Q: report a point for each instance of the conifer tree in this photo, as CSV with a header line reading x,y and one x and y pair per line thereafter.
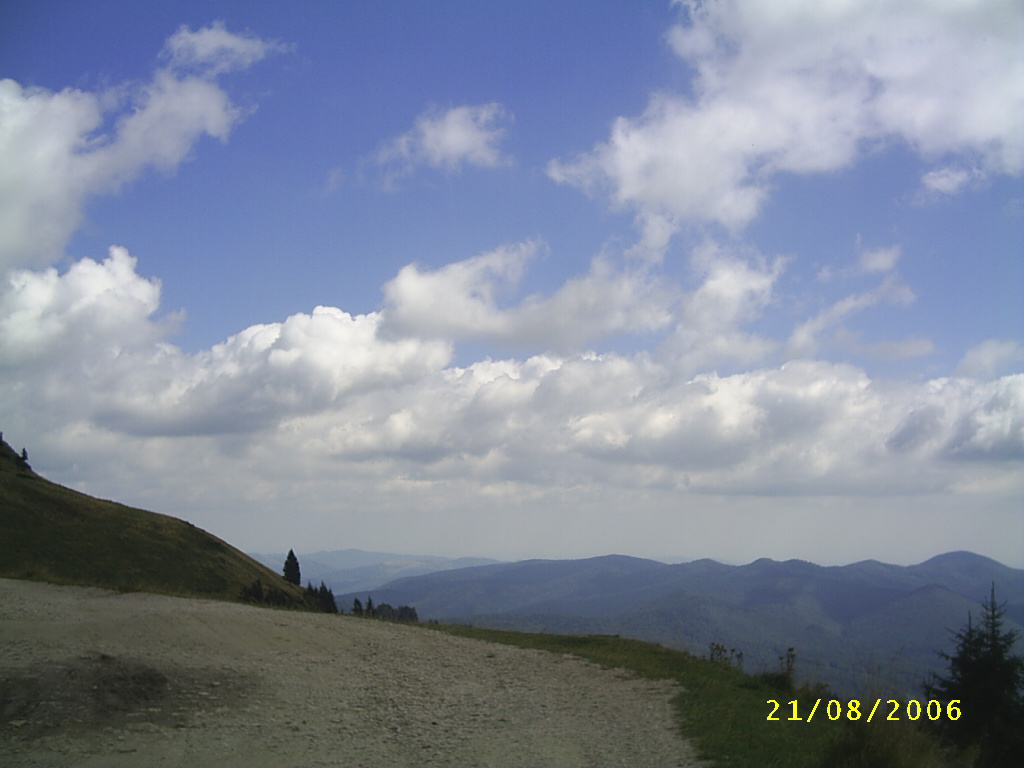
x,y
988,680
325,597
291,569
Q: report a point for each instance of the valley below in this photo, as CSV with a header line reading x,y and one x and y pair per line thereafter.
x,y
92,677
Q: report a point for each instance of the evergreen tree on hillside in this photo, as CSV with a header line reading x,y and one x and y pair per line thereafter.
x,y
322,597
291,569
325,596
988,680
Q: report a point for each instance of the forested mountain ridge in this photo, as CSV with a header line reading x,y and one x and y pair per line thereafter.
x,y
868,623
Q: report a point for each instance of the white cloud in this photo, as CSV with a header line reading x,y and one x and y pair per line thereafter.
x,y
672,164
958,419
464,135
950,180
804,87
89,350
869,261
991,357
213,50
458,299
93,310
55,156
96,353
329,418
461,301
733,289
880,259
476,299
804,340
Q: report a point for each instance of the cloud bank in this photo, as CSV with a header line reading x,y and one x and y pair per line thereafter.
x,y
704,407
88,348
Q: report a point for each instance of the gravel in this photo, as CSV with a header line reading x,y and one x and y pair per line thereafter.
x,y
90,677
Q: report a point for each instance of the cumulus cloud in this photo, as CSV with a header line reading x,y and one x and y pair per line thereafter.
x,y
464,135
90,351
950,180
991,357
589,421
476,299
89,348
56,154
804,340
959,420
461,301
214,50
458,299
94,303
711,328
329,413
880,259
97,352
806,87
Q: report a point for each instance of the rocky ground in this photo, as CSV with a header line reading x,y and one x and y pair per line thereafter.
x,y
96,678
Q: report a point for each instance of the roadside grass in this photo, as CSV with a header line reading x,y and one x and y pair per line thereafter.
x,y
724,712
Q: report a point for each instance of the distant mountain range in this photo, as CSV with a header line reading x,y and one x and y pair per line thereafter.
x,y
354,570
856,627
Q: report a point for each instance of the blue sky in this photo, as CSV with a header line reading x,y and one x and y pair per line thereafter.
x,y
523,279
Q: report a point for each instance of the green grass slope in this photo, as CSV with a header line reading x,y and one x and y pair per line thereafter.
x,y
52,533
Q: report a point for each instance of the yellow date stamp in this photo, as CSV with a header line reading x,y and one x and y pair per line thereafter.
x,y
852,709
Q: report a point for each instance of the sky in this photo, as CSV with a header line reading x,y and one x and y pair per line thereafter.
x,y
534,279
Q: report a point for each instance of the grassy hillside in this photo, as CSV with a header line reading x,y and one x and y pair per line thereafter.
x,y
52,533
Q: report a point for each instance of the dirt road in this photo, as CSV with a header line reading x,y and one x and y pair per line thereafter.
x,y
96,678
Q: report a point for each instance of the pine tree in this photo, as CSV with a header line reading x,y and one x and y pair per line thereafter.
x,y
988,680
291,569
325,597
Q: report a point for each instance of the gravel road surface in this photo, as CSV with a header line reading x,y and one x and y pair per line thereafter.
x,y
90,677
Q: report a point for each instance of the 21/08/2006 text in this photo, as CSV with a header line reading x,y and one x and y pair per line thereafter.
x,y
933,710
